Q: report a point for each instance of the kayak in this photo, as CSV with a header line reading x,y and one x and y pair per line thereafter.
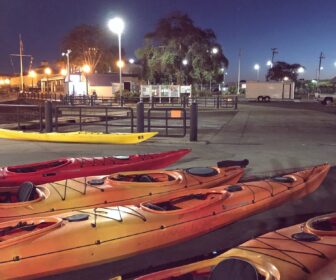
x,y
36,247
65,168
117,189
301,252
78,137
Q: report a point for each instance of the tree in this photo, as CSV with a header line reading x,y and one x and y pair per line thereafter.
x,y
176,39
282,69
91,45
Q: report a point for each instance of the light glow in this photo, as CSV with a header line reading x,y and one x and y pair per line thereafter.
x,y
256,67
47,71
120,63
116,25
86,68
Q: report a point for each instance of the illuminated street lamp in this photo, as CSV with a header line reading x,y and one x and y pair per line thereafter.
x,y
214,50
47,71
300,70
185,62
269,63
117,25
86,69
131,60
32,74
67,54
257,68
285,79
7,81
63,72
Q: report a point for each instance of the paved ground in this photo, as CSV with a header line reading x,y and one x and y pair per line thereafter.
x,y
272,136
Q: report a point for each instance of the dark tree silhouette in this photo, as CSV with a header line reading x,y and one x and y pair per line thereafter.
x,y
282,69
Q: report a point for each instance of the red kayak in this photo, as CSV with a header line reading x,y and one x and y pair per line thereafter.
x,y
66,168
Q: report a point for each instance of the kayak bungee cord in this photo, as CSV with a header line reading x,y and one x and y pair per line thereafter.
x,y
286,252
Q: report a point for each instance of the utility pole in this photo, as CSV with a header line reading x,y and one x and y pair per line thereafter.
x,y
274,52
21,55
320,65
238,82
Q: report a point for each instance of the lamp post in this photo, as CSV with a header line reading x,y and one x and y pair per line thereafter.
x,y
67,54
47,71
32,74
87,69
117,25
257,68
184,63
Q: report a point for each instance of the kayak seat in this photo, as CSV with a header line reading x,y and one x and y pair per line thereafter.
x,y
143,179
26,191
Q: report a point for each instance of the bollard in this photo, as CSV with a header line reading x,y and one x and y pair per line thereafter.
x,y
48,116
217,103
140,117
193,122
236,102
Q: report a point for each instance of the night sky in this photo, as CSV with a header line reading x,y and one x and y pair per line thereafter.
x,y
300,29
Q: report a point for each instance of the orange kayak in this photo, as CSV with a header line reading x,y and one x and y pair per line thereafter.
x,y
34,247
302,252
118,189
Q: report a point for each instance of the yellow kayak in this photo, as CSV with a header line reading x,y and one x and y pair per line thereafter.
x,y
78,137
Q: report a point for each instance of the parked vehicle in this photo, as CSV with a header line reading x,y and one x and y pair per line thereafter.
x,y
325,98
267,91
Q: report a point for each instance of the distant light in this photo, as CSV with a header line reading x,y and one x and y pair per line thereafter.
x,y
285,79
321,68
131,60
2,82
300,70
222,69
314,81
214,50
120,63
116,25
63,72
47,71
335,63
32,74
86,68
7,81
184,61
269,63
256,67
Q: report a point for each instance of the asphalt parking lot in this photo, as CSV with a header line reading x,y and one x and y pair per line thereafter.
x,y
272,136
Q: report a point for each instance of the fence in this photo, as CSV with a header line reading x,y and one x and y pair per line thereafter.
x,y
15,116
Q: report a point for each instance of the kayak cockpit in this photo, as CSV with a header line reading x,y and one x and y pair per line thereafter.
x,y
322,225
31,168
16,231
27,193
185,203
143,177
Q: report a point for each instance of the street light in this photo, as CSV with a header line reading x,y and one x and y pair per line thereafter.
x,y
131,60
257,68
67,54
269,63
300,70
87,69
214,50
63,72
117,25
47,71
32,74
185,62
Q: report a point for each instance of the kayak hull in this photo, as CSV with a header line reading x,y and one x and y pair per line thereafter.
x,y
66,168
113,233
121,188
78,137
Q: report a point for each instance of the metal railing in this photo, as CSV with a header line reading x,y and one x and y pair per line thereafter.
x,y
163,122
16,116
102,116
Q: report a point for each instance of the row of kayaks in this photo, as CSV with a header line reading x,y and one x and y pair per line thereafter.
x,y
78,137
76,223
